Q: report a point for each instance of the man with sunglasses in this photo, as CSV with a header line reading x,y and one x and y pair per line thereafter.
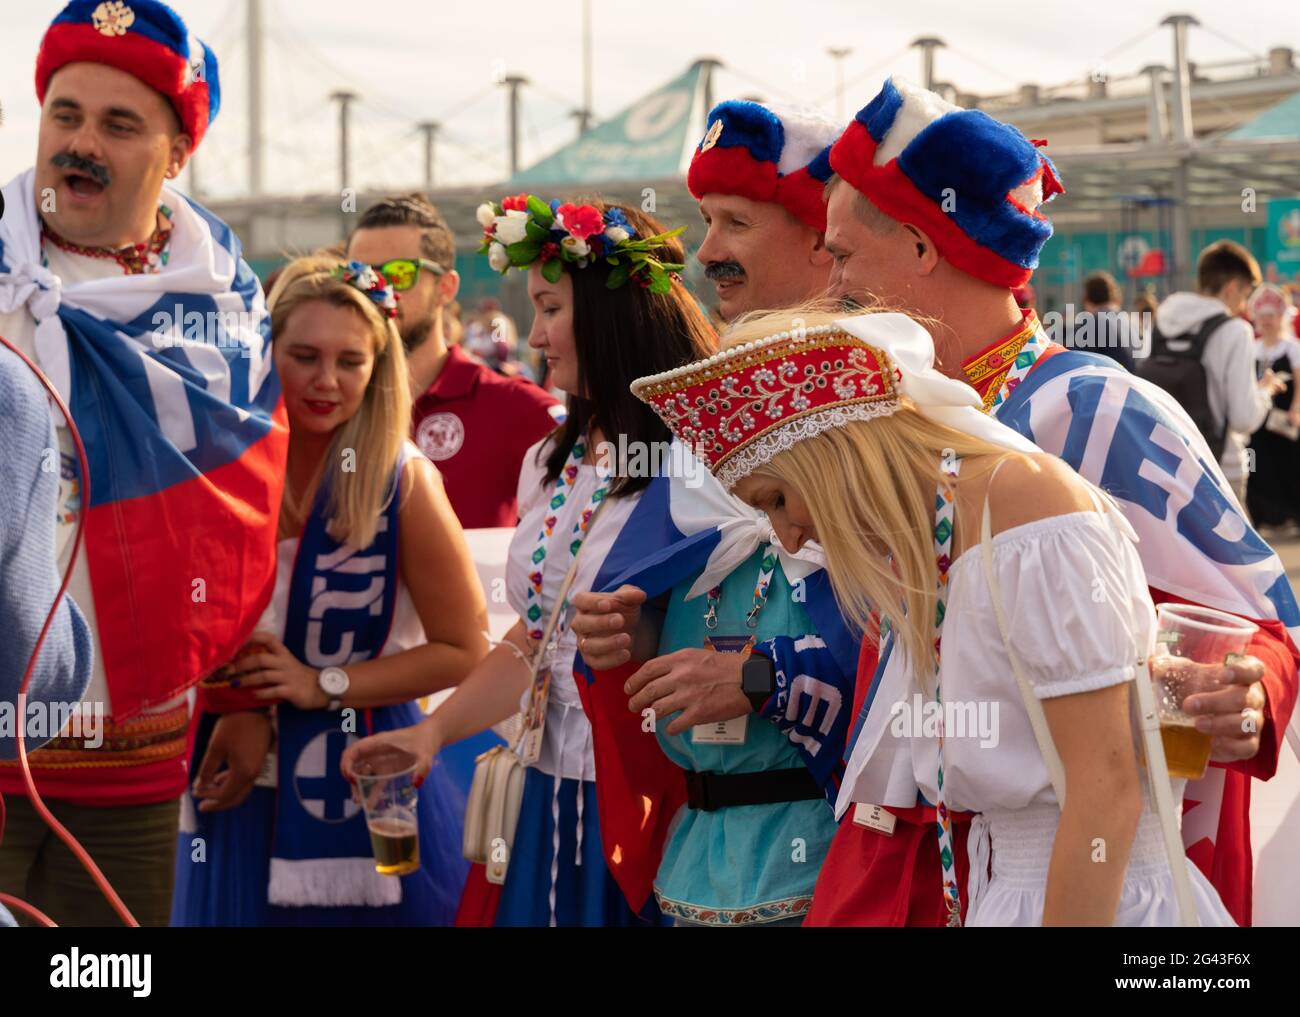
x,y
473,423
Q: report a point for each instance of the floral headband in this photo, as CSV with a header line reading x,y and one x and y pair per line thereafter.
x,y
370,282
523,230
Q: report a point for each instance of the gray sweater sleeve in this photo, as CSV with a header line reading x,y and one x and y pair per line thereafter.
x,y
29,576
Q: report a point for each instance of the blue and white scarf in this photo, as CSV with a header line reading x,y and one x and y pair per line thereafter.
x,y
340,610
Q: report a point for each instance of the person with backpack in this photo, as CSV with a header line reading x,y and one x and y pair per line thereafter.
x,y
1203,354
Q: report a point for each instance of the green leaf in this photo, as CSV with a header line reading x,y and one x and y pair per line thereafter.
x,y
535,232
541,210
552,270
660,283
617,277
672,266
611,260
524,253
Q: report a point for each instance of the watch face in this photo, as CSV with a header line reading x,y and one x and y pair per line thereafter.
x,y
757,677
333,681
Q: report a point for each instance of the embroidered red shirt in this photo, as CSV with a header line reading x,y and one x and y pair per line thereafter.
x,y
475,425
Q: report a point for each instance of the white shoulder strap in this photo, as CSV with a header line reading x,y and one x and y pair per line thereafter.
x,y
1037,718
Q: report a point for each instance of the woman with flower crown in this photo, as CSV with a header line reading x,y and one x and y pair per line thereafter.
x,y
376,604
608,307
842,431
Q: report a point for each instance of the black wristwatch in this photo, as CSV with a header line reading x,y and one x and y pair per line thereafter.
x,y
758,680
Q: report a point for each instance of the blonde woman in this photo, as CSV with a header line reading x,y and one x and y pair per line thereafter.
x,y
844,434
376,603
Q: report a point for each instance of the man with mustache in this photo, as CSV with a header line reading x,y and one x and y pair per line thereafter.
x,y
936,210
746,849
138,306
764,247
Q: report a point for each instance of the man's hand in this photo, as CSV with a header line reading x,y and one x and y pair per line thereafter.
x,y
703,684
1232,713
233,759
605,624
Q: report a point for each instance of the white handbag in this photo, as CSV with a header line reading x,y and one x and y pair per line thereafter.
x,y
497,790
1148,722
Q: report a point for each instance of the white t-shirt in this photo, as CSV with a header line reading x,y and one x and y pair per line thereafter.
x,y
566,744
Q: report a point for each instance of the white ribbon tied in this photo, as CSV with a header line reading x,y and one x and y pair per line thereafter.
x,y
699,503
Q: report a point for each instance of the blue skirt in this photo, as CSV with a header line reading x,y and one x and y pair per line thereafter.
x,y
586,894
223,867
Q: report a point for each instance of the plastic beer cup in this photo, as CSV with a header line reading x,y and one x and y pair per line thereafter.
x,y
1186,635
385,780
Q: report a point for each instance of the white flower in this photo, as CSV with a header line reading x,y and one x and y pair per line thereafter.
x,y
498,258
511,226
485,213
615,234
575,246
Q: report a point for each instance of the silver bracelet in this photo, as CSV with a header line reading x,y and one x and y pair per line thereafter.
x,y
523,657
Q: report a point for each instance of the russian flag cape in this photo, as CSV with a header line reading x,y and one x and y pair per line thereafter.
x,y
170,382
1135,441
678,530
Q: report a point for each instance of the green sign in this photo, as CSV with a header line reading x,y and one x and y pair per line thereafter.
x,y
1284,235
647,141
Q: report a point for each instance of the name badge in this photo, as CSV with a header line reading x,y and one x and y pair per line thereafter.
x,y
724,732
873,817
266,777
534,718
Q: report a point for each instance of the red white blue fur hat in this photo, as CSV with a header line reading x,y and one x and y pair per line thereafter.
x,y
766,154
145,39
974,184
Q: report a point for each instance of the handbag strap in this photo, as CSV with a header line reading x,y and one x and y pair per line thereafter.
x,y
557,610
1037,718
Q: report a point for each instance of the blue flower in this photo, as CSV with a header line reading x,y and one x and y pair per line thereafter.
x,y
615,217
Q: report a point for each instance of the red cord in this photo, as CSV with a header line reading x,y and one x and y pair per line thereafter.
x,y
33,795
13,903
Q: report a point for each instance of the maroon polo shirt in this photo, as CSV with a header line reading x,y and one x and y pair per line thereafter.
x,y
476,426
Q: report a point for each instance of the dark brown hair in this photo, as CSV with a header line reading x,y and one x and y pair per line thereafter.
x,y
436,240
1101,288
621,335
1222,262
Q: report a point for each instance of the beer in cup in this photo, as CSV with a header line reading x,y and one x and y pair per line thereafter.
x,y
1188,635
385,778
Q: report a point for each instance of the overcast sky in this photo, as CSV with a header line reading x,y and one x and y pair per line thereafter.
x,y
437,60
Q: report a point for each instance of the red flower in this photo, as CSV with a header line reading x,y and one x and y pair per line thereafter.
x,y
582,221
550,250
517,203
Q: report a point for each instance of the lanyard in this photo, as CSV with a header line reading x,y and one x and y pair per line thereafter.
x,y
761,587
563,488
943,527
1034,348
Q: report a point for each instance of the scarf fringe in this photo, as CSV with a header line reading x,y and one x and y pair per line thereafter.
x,y
331,882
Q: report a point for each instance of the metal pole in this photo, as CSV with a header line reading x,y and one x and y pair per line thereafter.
x,y
255,97
585,122
838,53
928,44
345,100
1182,98
513,82
1157,119
429,128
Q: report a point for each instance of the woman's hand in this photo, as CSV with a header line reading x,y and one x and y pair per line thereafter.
x,y
233,759
280,674
422,740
